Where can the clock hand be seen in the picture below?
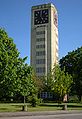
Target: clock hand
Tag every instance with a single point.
(41, 13)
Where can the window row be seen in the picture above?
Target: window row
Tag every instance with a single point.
(40, 46)
(40, 32)
(40, 61)
(40, 39)
(40, 53)
(46, 95)
(40, 70)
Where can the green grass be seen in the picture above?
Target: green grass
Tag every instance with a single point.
(14, 107)
(9, 107)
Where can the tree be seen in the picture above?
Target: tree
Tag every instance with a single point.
(48, 83)
(25, 84)
(15, 75)
(8, 59)
(39, 82)
(73, 65)
(61, 82)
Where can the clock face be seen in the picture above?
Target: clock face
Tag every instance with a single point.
(41, 17)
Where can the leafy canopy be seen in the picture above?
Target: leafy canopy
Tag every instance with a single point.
(61, 81)
(15, 75)
(73, 65)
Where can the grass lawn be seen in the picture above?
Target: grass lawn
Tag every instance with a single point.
(14, 107)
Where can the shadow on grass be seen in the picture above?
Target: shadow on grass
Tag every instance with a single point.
(75, 106)
(3, 108)
(51, 105)
(60, 105)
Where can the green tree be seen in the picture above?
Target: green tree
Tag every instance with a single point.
(73, 65)
(15, 75)
(61, 82)
(39, 82)
(48, 82)
(25, 83)
(8, 60)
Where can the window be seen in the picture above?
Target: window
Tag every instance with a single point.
(40, 70)
(40, 39)
(40, 53)
(40, 46)
(47, 95)
(40, 32)
(43, 95)
(40, 61)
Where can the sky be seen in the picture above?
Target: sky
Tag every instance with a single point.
(15, 18)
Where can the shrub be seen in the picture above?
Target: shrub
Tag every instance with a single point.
(33, 100)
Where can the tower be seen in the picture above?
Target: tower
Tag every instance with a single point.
(44, 38)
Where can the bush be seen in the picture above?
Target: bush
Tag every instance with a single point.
(33, 100)
(73, 99)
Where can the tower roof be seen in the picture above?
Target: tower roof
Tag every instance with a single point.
(48, 5)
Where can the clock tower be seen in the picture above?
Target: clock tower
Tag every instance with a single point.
(44, 38)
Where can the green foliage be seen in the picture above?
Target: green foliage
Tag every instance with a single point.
(73, 99)
(39, 82)
(73, 65)
(8, 60)
(34, 101)
(15, 75)
(25, 83)
(61, 81)
(48, 83)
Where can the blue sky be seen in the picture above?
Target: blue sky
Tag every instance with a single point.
(15, 17)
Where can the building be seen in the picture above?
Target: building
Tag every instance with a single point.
(44, 38)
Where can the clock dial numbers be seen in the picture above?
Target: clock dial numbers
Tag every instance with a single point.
(45, 13)
(45, 16)
(41, 16)
(37, 17)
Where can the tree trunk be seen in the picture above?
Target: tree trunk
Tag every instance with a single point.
(24, 100)
(24, 108)
(65, 98)
(64, 106)
(79, 97)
